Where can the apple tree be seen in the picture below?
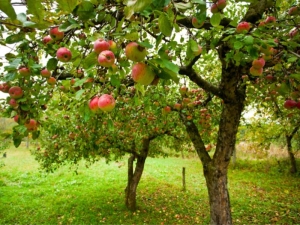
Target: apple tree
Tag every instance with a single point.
(110, 40)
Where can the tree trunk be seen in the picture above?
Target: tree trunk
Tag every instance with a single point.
(291, 154)
(215, 169)
(134, 175)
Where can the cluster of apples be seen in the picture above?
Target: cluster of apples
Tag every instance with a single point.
(105, 102)
(63, 54)
(291, 104)
(15, 93)
(106, 52)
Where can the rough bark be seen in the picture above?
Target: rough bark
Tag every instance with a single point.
(134, 175)
(289, 138)
(291, 154)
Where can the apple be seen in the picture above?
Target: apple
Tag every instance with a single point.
(82, 36)
(15, 92)
(55, 34)
(31, 125)
(93, 104)
(166, 109)
(243, 27)
(269, 77)
(142, 73)
(47, 39)
(106, 103)
(196, 23)
(24, 71)
(106, 58)
(289, 104)
(221, 4)
(13, 103)
(198, 52)
(270, 19)
(177, 106)
(258, 63)
(135, 52)
(298, 105)
(45, 73)
(293, 11)
(100, 45)
(112, 46)
(79, 73)
(51, 80)
(214, 8)
(256, 72)
(4, 87)
(63, 54)
(261, 24)
(16, 118)
(293, 32)
(183, 90)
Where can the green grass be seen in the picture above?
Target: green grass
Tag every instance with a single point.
(260, 193)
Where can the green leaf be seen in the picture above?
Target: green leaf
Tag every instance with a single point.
(90, 60)
(216, 19)
(35, 134)
(6, 7)
(284, 89)
(68, 26)
(67, 5)
(110, 125)
(20, 129)
(183, 6)
(36, 8)
(165, 25)
(13, 65)
(296, 76)
(17, 141)
(132, 36)
(10, 76)
(134, 6)
(52, 64)
(79, 94)
(22, 17)
(115, 81)
(15, 38)
(85, 11)
(248, 40)
(238, 45)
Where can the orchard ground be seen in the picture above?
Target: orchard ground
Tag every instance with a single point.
(262, 192)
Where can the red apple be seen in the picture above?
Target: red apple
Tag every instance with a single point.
(31, 125)
(45, 73)
(177, 106)
(55, 34)
(142, 73)
(183, 90)
(135, 52)
(269, 77)
(243, 27)
(106, 103)
(15, 92)
(221, 4)
(214, 8)
(289, 104)
(24, 71)
(256, 72)
(270, 19)
(293, 32)
(258, 63)
(4, 87)
(51, 80)
(47, 39)
(100, 45)
(16, 118)
(93, 104)
(298, 105)
(196, 23)
(63, 54)
(293, 11)
(13, 103)
(166, 109)
(106, 58)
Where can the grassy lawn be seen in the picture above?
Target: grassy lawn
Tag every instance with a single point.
(260, 193)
